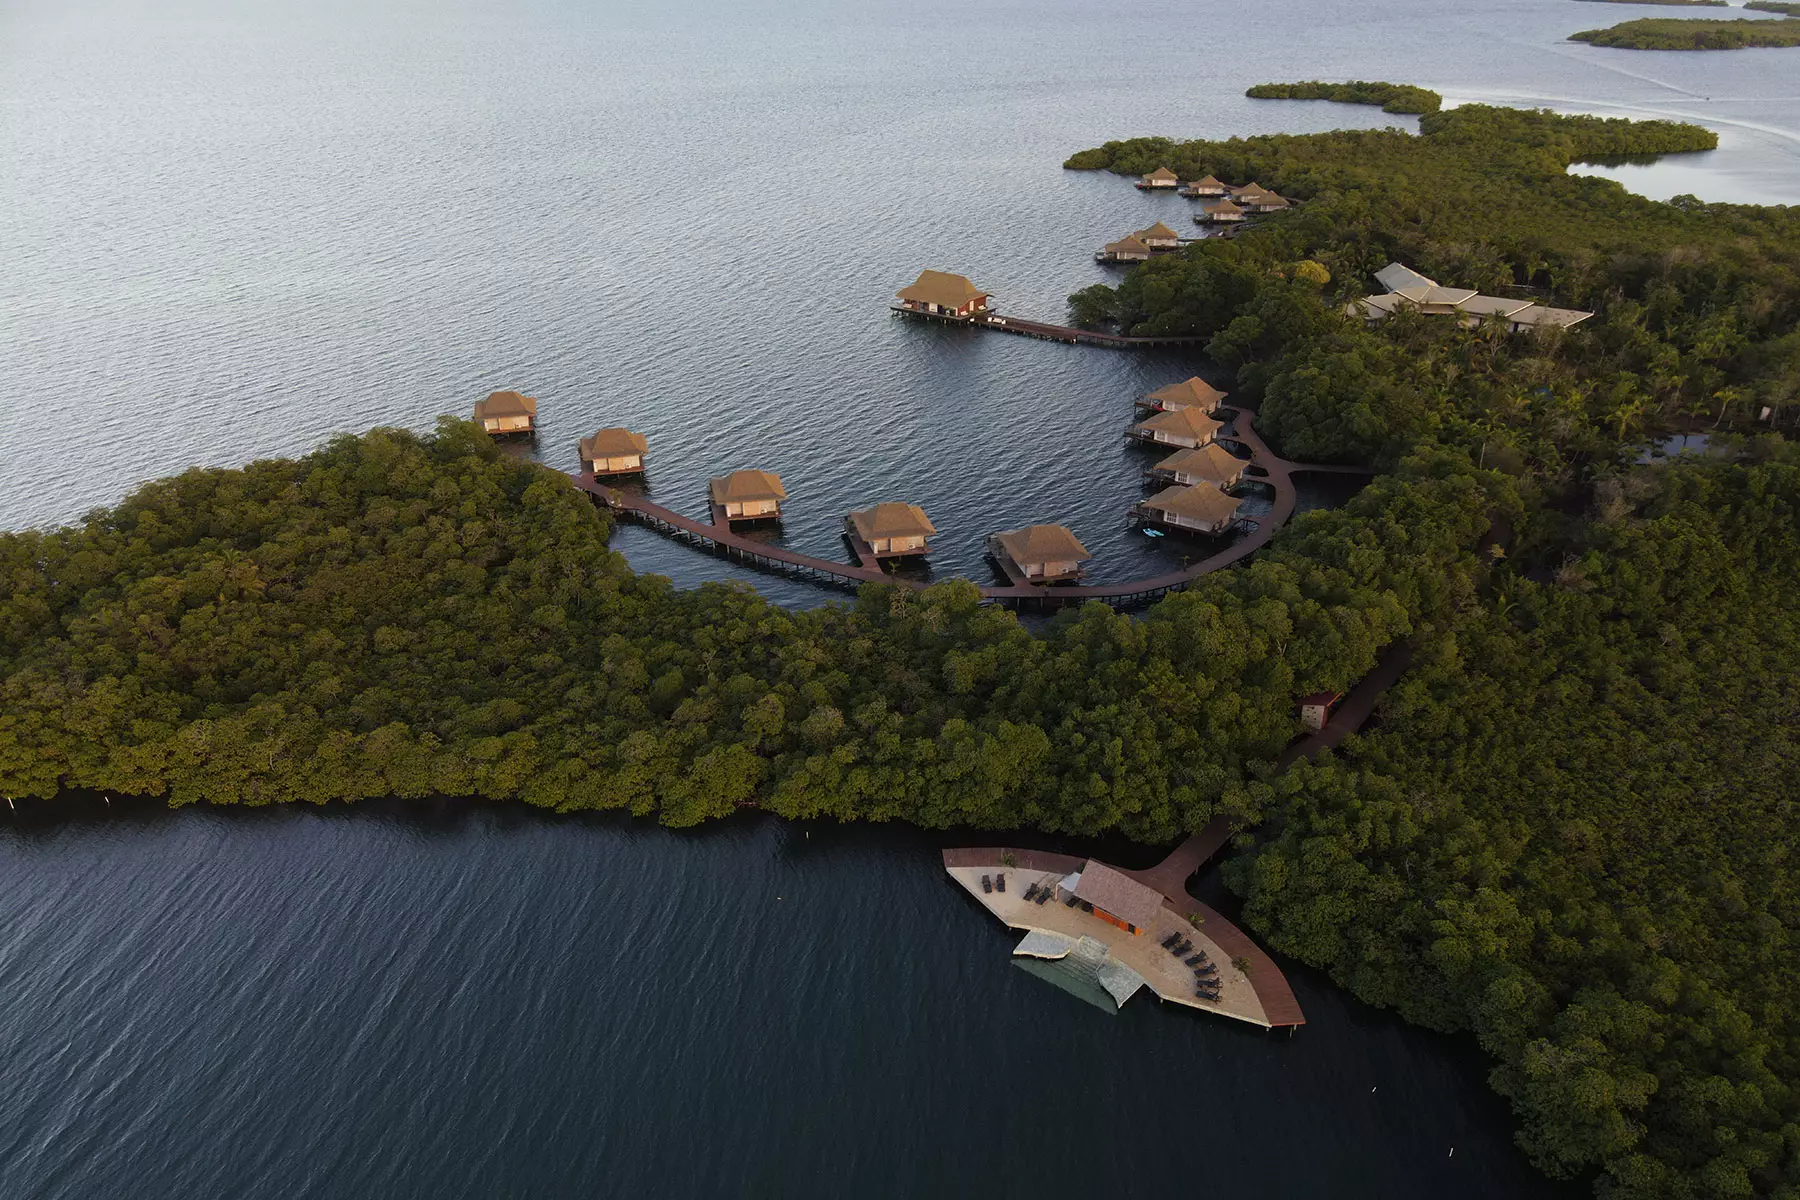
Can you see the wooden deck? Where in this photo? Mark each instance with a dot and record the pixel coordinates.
(1274, 1005)
(1045, 331)
(1277, 472)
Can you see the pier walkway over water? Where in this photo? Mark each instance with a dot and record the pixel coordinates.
(1025, 327)
(1273, 470)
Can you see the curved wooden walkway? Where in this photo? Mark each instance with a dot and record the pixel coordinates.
(1277, 472)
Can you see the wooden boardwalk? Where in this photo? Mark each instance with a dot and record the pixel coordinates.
(1044, 331)
(717, 536)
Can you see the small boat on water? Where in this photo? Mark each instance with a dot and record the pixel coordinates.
(1154, 533)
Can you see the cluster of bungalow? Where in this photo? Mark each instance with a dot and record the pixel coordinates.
(1407, 289)
(1220, 203)
(1141, 245)
(1199, 472)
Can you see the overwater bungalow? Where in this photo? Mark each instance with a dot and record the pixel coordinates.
(1162, 177)
(614, 452)
(507, 413)
(1218, 212)
(1204, 189)
(1193, 393)
(1199, 507)
(890, 530)
(1158, 237)
(1186, 427)
(747, 496)
(943, 294)
(1258, 199)
(1127, 249)
(1211, 463)
(1039, 554)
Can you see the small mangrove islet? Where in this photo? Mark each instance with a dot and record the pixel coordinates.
(1392, 97)
(1693, 33)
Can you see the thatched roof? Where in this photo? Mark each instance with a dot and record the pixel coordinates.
(1211, 183)
(1220, 208)
(613, 443)
(892, 520)
(1162, 175)
(1211, 461)
(505, 404)
(748, 485)
(1200, 502)
(1119, 894)
(1189, 421)
(1042, 544)
(942, 288)
(1159, 231)
(1127, 245)
(1189, 393)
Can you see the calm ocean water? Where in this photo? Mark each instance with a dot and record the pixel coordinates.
(230, 230)
(363, 1004)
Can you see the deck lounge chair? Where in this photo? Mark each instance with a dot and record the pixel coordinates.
(999, 883)
(987, 883)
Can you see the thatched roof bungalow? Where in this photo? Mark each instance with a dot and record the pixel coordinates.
(614, 452)
(507, 413)
(1211, 463)
(1158, 237)
(1187, 427)
(747, 496)
(1200, 507)
(943, 293)
(1039, 553)
(1193, 393)
(1162, 177)
(891, 529)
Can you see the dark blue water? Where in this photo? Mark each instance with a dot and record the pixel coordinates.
(460, 1002)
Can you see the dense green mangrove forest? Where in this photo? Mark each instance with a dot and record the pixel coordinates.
(1693, 33)
(1569, 833)
(1391, 97)
(1571, 830)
